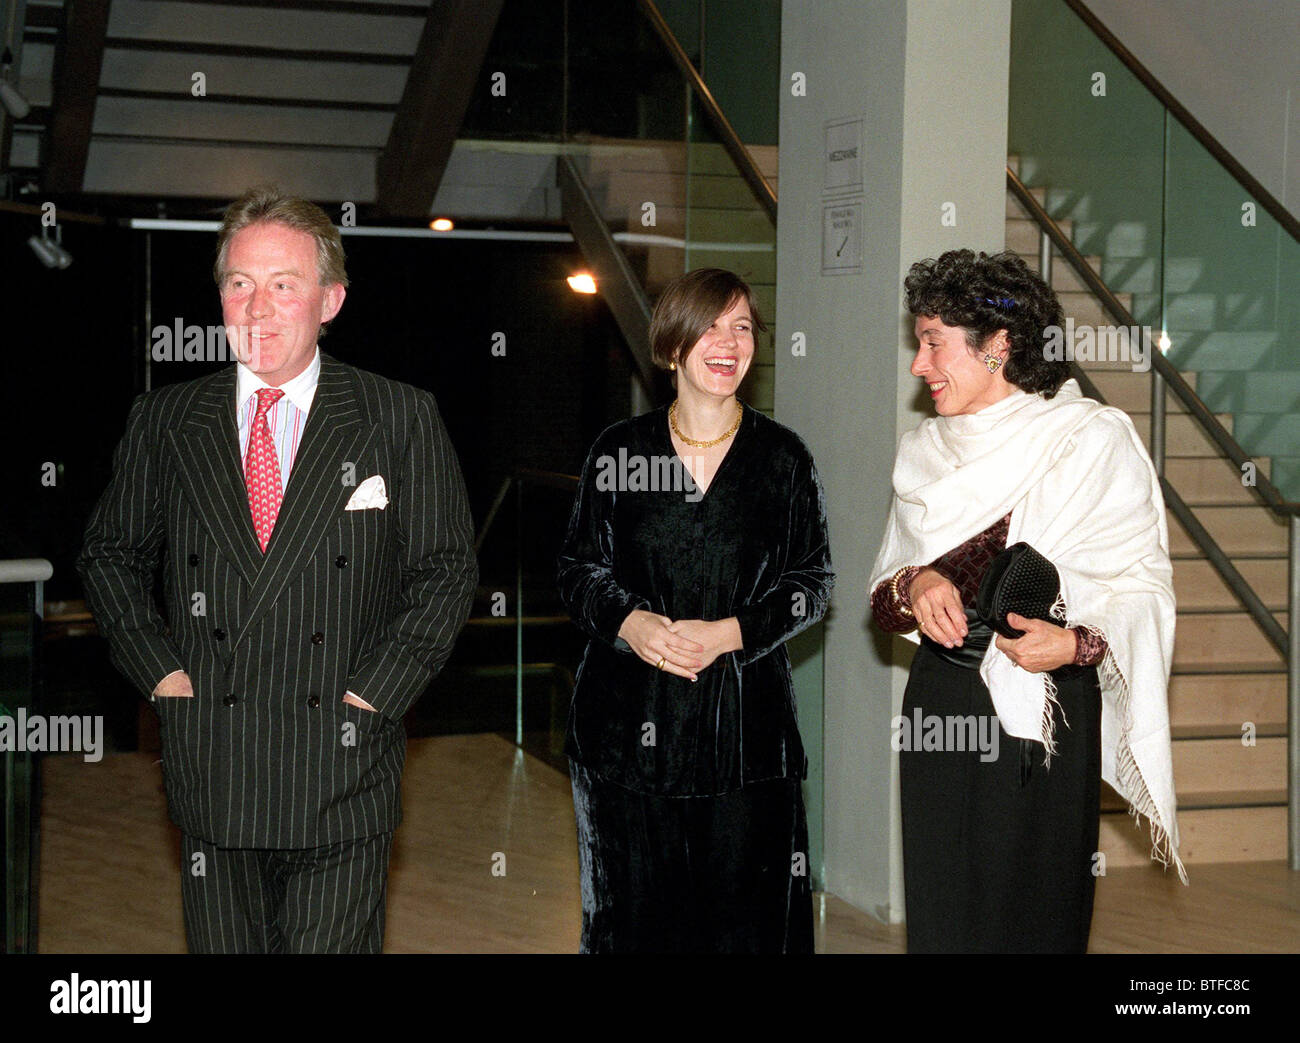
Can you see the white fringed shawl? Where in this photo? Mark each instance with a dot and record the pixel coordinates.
(1081, 490)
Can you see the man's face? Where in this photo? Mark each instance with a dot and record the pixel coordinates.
(273, 298)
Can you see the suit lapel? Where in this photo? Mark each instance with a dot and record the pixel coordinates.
(207, 445)
(336, 433)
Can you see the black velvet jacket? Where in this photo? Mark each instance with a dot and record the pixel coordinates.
(754, 547)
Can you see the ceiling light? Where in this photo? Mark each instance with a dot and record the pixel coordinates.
(442, 224)
(582, 282)
(15, 104)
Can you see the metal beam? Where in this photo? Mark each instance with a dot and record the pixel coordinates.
(618, 284)
(444, 75)
(81, 54)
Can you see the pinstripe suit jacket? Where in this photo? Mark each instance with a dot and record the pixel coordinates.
(267, 754)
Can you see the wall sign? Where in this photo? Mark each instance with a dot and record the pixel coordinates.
(842, 197)
(843, 157)
(842, 237)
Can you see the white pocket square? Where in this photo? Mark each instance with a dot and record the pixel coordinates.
(370, 494)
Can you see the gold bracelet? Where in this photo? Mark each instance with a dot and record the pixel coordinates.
(893, 589)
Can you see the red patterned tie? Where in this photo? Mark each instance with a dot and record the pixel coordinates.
(262, 469)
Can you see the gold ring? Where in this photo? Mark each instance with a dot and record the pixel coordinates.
(660, 665)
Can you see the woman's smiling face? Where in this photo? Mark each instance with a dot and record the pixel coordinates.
(721, 357)
(958, 380)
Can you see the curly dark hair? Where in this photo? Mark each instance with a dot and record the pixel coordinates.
(985, 293)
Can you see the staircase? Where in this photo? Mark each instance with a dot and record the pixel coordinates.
(1227, 694)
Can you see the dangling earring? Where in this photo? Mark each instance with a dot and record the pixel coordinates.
(992, 362)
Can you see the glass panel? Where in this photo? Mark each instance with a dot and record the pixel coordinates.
(666, 187)
(18, 786)
(1233, 310)
(552, 644)
(1169, 225)
(726, 227)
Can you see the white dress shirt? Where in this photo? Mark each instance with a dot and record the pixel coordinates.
(286, 418)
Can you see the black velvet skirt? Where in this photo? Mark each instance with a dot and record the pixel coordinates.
(715, 874)
(998, 852)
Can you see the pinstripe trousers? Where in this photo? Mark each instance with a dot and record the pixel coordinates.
(311, 900)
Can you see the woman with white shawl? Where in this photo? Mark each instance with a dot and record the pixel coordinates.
(1000, 840)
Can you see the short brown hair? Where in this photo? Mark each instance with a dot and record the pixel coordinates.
(266, 204)
(687, 308)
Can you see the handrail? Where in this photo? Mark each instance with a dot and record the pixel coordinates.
(1263, 196)
(717, 120)
(25, 570)
(1263, 488)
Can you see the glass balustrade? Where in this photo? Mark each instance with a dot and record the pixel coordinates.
(1206, 265)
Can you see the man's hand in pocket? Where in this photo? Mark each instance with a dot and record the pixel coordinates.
(357, 701)
(175, 685)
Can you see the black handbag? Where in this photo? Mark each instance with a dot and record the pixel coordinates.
(1019, 580)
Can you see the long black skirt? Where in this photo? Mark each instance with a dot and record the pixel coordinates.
(999, 853)
(714, 874)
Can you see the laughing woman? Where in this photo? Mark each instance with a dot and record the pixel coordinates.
(696, 548)
(1000, 854)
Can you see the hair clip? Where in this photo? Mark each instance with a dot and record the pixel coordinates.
(1005, 303)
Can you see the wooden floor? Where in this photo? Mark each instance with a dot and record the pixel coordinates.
(110, 869)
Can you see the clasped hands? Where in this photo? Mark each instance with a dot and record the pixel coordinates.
(684, 646)
(940, 616)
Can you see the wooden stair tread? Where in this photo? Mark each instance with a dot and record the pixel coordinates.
(1227, 730)
(1227, 668)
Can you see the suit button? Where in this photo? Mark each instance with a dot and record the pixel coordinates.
(230, 700)
(318, 638)
(194, 559)
(341, 561)
(313, 701)
(219, 634)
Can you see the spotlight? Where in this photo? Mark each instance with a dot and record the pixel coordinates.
(15, 104)
(582, 282)
(50, 252)
(442, 224)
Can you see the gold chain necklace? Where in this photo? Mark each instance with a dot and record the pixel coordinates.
(672, 420)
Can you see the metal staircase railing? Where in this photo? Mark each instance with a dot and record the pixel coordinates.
(718, 121)
(1164, 376)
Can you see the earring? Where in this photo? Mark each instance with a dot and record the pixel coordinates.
(672, 366)
(991, 363)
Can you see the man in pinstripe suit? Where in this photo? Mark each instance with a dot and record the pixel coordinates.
(311, 525)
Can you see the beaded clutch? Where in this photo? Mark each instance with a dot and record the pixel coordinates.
(1019, 580)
